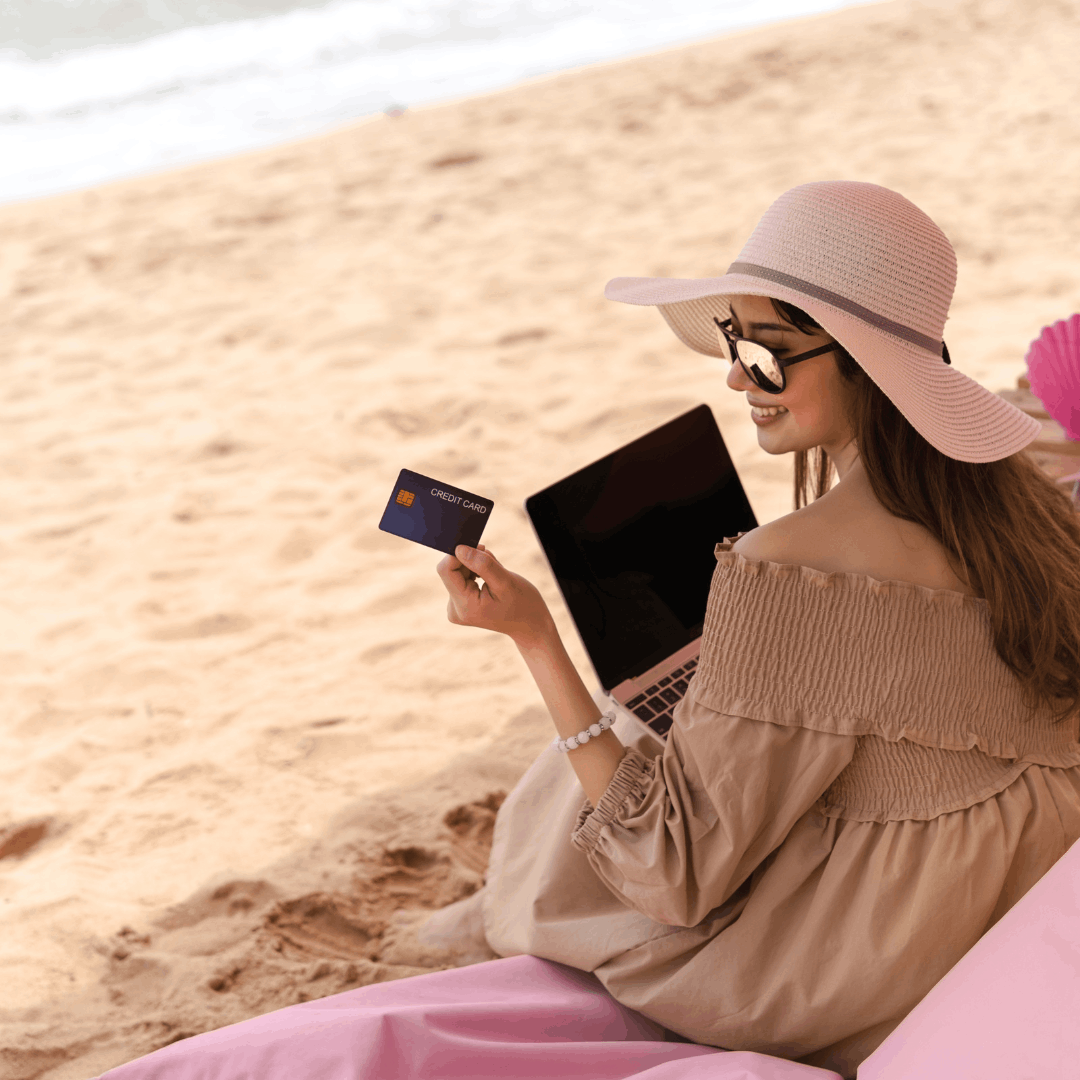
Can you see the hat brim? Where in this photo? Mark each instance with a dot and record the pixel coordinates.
(954, 413)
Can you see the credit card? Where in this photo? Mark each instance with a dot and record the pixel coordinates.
(433, 513)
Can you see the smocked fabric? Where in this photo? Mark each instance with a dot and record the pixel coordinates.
(838, 814)
(846, 653)
(900, 781)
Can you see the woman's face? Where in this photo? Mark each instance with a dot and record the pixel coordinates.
(815, 390)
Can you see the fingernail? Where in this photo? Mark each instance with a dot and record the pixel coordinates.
(463, 552)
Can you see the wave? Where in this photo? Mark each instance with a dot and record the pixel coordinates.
(110, 110)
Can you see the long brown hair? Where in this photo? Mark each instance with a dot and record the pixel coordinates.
(1006, 527)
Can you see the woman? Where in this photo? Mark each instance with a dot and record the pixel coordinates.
(877, 756)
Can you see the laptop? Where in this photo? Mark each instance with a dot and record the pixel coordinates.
(631, 540)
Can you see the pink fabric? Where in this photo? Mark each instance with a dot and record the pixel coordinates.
(1009, 1007)
(516, 1018)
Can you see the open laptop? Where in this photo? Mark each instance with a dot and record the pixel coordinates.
(631, 540)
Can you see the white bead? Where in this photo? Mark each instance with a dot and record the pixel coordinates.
(572, 743)
(583, 737)
(595, 730)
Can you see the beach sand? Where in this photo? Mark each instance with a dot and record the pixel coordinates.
(243, 752)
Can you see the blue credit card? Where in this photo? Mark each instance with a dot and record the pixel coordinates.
(436, 514)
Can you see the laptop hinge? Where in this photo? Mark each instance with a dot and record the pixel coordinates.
(628, 689)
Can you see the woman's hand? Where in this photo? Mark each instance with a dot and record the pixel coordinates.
(507, 604)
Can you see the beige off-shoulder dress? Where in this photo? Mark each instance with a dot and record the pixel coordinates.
(851, 794)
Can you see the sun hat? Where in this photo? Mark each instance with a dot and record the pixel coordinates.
(878, 275)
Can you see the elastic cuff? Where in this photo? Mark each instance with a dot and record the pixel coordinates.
(633, 774)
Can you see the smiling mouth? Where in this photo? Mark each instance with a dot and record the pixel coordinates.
(775, 411)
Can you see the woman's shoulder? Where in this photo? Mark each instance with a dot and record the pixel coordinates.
(847, 537)
(775, 541)
(802, 538)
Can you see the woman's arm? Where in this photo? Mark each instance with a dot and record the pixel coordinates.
(676, 836)
(573, 709)
(511, 605)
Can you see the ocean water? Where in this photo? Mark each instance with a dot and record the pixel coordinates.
(95, 90)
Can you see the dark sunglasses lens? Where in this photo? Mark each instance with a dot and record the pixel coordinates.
(761, 364)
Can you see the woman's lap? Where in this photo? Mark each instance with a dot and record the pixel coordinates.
(518, 1017)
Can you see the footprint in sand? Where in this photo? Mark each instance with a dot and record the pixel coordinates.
(208, 626)
(21, 838)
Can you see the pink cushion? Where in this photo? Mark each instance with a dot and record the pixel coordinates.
(735, 1065)
(1010, 1008)
(517, 1018)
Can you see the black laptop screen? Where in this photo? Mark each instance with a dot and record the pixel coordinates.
(631, 539)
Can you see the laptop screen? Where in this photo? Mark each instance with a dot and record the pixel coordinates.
(631, 539)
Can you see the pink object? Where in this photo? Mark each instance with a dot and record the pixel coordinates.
(517, 1018)
(1053, 361)
(1010, 1008)
(1006, 1011)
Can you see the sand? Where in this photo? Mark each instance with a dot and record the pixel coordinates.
(243, 752)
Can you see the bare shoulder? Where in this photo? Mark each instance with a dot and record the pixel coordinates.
(842, 538)
(782, 540)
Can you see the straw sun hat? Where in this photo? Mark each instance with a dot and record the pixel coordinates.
(878, 275)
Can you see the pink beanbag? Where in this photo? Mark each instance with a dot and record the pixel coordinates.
(1010, 1009)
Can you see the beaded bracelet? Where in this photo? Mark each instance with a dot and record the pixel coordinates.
(564, 746)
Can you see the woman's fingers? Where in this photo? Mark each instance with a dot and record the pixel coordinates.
(507, 602)
(466, 601)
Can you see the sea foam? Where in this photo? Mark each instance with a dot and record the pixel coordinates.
(109, 110)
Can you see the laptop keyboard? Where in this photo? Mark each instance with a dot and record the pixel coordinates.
(658, 702)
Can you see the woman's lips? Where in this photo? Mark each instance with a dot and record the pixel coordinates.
(762, 421)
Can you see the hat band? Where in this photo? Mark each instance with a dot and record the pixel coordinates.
(838, 301)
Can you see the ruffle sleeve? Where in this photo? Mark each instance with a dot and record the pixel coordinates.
(675, 836)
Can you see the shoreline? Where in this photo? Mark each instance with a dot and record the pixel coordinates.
(246, 73)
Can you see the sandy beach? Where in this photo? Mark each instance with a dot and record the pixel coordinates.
(243, 752)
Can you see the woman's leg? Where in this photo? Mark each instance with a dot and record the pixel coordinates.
(508, 1019)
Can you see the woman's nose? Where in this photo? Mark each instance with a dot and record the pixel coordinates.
(737, 379)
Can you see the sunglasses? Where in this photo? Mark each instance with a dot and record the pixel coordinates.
(762, 364)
